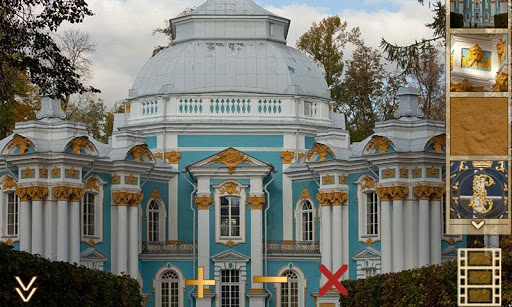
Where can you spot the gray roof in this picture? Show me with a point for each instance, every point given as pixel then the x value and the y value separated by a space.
pixel 230 8
pixel 231 66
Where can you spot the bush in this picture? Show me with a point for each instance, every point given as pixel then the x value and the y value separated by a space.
pixel 501 21
pixel 62 284
pixel 456 20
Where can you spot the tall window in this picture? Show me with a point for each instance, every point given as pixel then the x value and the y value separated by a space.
pixel 169 289
pixel 153 221
pixel 307 221
pixel 230 216
pixel 12 214
pixel 372 214
pixel 230 288
pixel 290 291
pixel 88 214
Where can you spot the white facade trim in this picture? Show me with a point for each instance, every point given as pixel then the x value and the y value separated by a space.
pixel 243 201
pixel 298 218
pixel 99 201
pixel 162 217
pixel 4 236
pixel 361 212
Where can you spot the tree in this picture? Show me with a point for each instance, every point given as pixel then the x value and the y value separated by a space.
pixel 27 45
pixel 108 127
pixel 368 92
pixel 167 31
pixel 406 57
pixel 325 43
pixel 91 112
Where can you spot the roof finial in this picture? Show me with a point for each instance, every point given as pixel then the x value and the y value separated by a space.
pixel 50 109
pixel 408 105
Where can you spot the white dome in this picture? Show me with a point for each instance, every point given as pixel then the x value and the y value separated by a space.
pixel 230 46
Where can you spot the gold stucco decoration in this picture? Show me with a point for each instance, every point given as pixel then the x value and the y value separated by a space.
pixel 22 193
pixel 332 198
pixel 230 243
pixel 404 172
pixel 328 179
pixel 287 156
pixel 398 192
pixel 432 172
pixel 116 179
pixel 438 143
pixel 231 158
pixel 368 183
pixel 230 188
pixel 43 173
pixel 62 192
pixel 438 192
pixel 451 241
pixel 423 191
pixel 389 173
pixel 305 194
pixel 131 179
pixel 77 194
pixel 72 173
pixel 323 199
pixel 37 192
pixel 416 172
pixel 56 172
pixel 140 151
pixel 501 84
pixel 91 242
pixel 173 156
pixel 321 150
pixel 79 143
pixel 28 173
pixel 369 241
pixel 203 202
pixel 501 49
pixel 159 155
pixel 91 184
pixel 383 193
pixel 479 126
pixel 343 179
pixel 9 183
pixel 20 142
pixel 127 198
pixel 476 59
pixel 9 242
pixel 256 202
pixel 380 144
pixel 465 86
pixel 156 194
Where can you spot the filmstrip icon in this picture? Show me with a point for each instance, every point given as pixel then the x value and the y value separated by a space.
pixel 479 277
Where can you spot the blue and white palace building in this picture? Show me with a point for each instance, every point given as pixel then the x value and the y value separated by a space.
pixel 479 13
pixel 230 158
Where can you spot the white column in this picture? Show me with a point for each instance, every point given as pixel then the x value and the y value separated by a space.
pixel 74 232
pixel 346 233
pixel 62 230
pixel 287 207
pixel 424 233
pixel 385 236
pixel 435 231
pixel 203 203
pixel 48 224
pixel 337 236
pixel 122 239
pixel 256 243
pixel 133 242
pixel 409 232
pixel 37 227
pixel 25 225
pixel 172 217
pixel 398 235
pixel 325 240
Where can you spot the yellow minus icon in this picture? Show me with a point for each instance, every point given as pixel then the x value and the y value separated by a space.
pixel 270 279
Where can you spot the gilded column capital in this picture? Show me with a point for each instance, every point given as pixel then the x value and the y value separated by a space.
pixel 438 192
pixel 37 192
pixel 383 193
pixel 256 202
pixel 203 202
pixel 62 192
pixel 173 156
pixel 77 194
pixel 423 191
pixel 398 192
pixel 323 199
pixel 287 156
pixel 22 193
pixel 338 198
pixel 127 199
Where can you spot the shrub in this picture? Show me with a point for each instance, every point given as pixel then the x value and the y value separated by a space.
pixel 501 21
pixel 456 20
pixel 62 284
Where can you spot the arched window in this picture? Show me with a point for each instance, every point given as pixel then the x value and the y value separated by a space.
pixel 169 289
pixel 307 221
pixel 230 216
pixel 153 221
pixel 291 290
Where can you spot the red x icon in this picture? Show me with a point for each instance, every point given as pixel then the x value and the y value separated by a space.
pixel 333 280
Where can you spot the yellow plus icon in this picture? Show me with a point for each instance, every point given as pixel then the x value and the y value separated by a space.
pixel 200 282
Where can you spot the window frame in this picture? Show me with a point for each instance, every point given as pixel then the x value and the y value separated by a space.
pixel 362 205
pixel 97 188
pixel 230 284
pixel 299 222
pixel 4 209
pixel 221 191
pixel 162 219
pixel 158 280
pixel 302 287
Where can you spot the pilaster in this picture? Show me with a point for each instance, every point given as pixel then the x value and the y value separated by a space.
pixel 25 213
pixel 398 194
pixel 37 193
pixel 423 192
pixel 385 236
pixel 435 224
pixel 203 203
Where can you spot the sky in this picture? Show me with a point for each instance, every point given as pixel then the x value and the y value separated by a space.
pixel 122 30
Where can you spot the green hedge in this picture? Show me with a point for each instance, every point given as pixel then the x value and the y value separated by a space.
pixel 62 284
pixel 456 20
pixel 501 21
